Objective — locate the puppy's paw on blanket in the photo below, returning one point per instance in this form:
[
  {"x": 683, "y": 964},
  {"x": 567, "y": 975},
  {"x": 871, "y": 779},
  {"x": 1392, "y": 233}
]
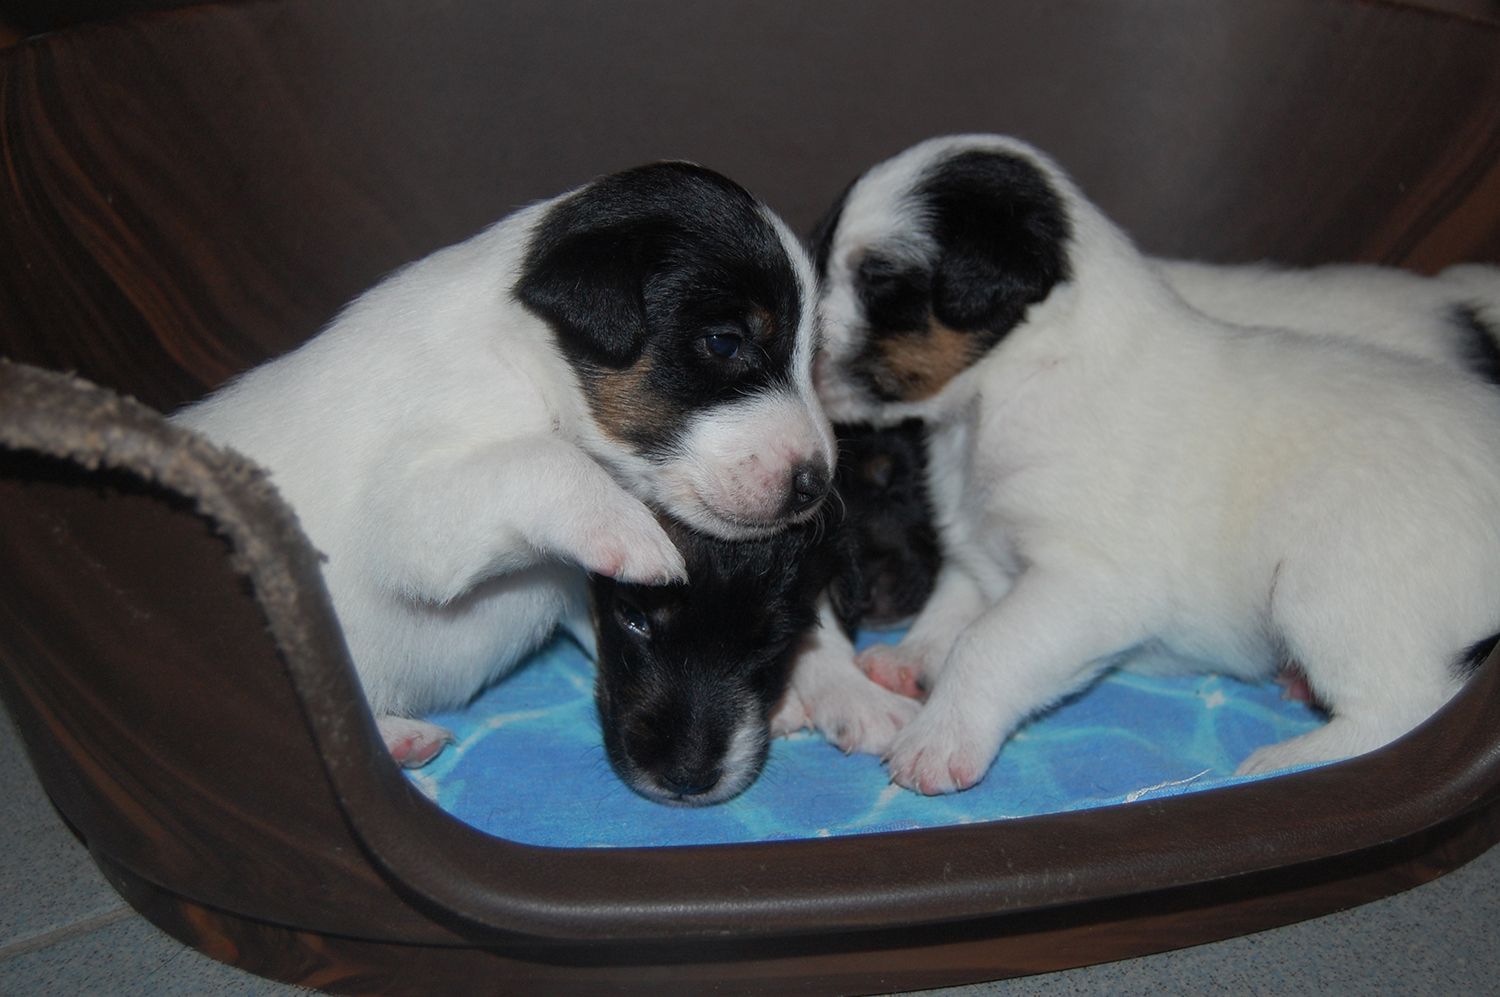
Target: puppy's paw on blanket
[
  {"x": 412, "y": 743},
  {"x": 1340, "y": 737},
  {"x": 851, "y": 712},
  {"x": 941, "y": 751}
]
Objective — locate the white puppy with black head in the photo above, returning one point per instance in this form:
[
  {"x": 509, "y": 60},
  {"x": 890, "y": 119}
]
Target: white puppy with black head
[
  {"x": 473, "y": 433},
  {"x": 1111, "y": 468}
]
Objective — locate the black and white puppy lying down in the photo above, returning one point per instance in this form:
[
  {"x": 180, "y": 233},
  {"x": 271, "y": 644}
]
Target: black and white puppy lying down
[
  {"x": 470, "y": 435},
  {"x": 1111, "y": 468},
  {"x": 695, "y": 679}
]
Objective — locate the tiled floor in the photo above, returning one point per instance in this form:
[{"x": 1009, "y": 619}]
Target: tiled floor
[{"x": 63, "y": 931}]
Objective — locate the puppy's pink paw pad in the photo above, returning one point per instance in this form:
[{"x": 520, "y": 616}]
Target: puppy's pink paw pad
[
  {"x": 637, "y": 553},
  {"x": 886, "y": 667},
  {"x": 649, "y": 564},
  {"x": 412, "y": 743}
]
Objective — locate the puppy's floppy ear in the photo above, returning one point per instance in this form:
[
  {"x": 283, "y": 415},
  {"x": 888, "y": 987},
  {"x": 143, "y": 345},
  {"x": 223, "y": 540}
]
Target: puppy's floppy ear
[
  {"x": 588, "y": 284},
  {"x": 1002, "y": 232}
]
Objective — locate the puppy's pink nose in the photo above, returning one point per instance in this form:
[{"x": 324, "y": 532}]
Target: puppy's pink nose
[{"x": 810, "y": 483}]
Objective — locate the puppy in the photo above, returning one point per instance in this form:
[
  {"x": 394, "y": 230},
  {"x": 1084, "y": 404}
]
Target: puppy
[
  {"x": 475, "y": 431},
  {"x": 695, "y": 679},
  {"x": 689, "y": 674},
  {"x": 1111, "y": 468},
  {"x": 881, "y": 476}
]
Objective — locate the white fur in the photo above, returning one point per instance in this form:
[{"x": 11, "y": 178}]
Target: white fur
[
  {"x": 729, "y": 477},
  {"x": 1378, "y": 306},
  {"x": 830, "y": 695},
  {"x": 1123, "y": 470},
  {"x": 440, "y": 453}
]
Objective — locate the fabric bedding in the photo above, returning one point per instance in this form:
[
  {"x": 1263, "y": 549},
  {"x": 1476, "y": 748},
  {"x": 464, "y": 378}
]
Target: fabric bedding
[{"x": 529, "y": 765}]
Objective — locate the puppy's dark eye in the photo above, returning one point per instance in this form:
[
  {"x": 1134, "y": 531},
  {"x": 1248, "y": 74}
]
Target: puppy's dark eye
[
  {"x": 723, "y": 344},
  {"x": 633, "y": 618}
]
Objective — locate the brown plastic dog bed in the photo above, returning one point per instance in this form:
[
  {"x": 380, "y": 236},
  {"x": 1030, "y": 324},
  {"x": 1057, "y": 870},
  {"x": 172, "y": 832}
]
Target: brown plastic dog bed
[{"x": 188, "y": 193}]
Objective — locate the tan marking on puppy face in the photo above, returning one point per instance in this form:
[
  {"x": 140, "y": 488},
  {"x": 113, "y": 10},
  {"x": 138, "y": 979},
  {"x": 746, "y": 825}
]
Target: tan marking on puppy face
[
  {"x": 762, "y": 324},
  {"x": 912, "y": 366},
  {"x": 626, "y": 405}
]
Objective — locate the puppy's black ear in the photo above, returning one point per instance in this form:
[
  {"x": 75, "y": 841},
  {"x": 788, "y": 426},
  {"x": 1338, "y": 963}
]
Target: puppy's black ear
[
  {"x": 588, "y": 284},
  {"x": 1003, "y": 233}
]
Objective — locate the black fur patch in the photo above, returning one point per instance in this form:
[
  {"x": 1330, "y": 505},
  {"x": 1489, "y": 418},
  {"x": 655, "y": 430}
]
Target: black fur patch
[
  {"x": 1002, "y": 229},
  {"x": 882, "y": 480},
  {"x": 1001, "y": 232},
  {"x": 1477, "y": 349},
  {"x": 1468, "y": 663},
  {"x": 679, "y": 663},
  {"x": 640, "y": 274}
]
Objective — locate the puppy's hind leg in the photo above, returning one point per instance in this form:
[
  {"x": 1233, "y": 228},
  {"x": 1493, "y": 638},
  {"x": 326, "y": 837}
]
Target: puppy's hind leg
[
  {"x": 1379, "y": 658},
  {"x": 1386, "y": 699},
  {"x": 912, "y": 667},
  {"x": 830, "y": 695}
]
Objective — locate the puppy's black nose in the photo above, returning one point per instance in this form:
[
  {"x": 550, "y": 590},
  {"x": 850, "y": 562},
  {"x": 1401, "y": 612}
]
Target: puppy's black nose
[
  {"x": 693, "y": 784},
  {"x": 809, "y": 484}
]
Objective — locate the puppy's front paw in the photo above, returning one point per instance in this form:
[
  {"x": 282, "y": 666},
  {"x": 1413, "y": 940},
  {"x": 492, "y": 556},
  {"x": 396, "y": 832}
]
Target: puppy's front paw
[
  {"x": 941, "y": 751},
  {"x": 412, "y": 743},
  {"x": 895, "y": 669},
  {"x": 856, "y": 716},
  {"x": 629, "y": 545},
  {"x": 867, "y": 721}
]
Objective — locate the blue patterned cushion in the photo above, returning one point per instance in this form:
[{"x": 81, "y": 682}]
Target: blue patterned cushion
[{"x": 529, "y": 765}]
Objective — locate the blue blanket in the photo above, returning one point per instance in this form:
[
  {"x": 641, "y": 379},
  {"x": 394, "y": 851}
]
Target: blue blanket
[{"x": 529, "y": 764}]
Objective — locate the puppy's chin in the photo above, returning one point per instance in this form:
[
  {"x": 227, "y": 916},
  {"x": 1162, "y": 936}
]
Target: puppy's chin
[{"x": 684, "y": 502}]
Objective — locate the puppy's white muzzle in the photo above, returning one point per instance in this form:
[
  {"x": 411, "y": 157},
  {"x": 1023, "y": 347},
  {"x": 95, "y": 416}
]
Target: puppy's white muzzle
[{"x": 749, "y": 468}]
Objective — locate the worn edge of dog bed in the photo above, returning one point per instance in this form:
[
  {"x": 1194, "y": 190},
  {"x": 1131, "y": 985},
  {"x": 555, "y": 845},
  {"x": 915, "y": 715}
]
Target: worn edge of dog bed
[{"x": 745, "y": 891}]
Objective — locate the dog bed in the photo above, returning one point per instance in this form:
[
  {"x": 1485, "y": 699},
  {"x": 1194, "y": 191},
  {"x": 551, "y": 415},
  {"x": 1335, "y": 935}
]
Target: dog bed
[
  {"x": 190, "y": 192},
  {"x": 528, "y": 764}
]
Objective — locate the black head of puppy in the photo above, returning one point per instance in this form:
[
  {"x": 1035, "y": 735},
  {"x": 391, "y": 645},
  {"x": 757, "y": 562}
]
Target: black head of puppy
[
  {"x": 689, "y": 675},
  {"x": 687, "y": 312},
  {"x": 882, "y": 483},
  {"x": 930, "y": 260}
]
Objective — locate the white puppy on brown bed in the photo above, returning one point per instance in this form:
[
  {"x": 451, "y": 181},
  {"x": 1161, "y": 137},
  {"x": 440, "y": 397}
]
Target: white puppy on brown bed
[
  {"x": 445, "y": 441},
  {"x": 1111, "y": 468}
]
